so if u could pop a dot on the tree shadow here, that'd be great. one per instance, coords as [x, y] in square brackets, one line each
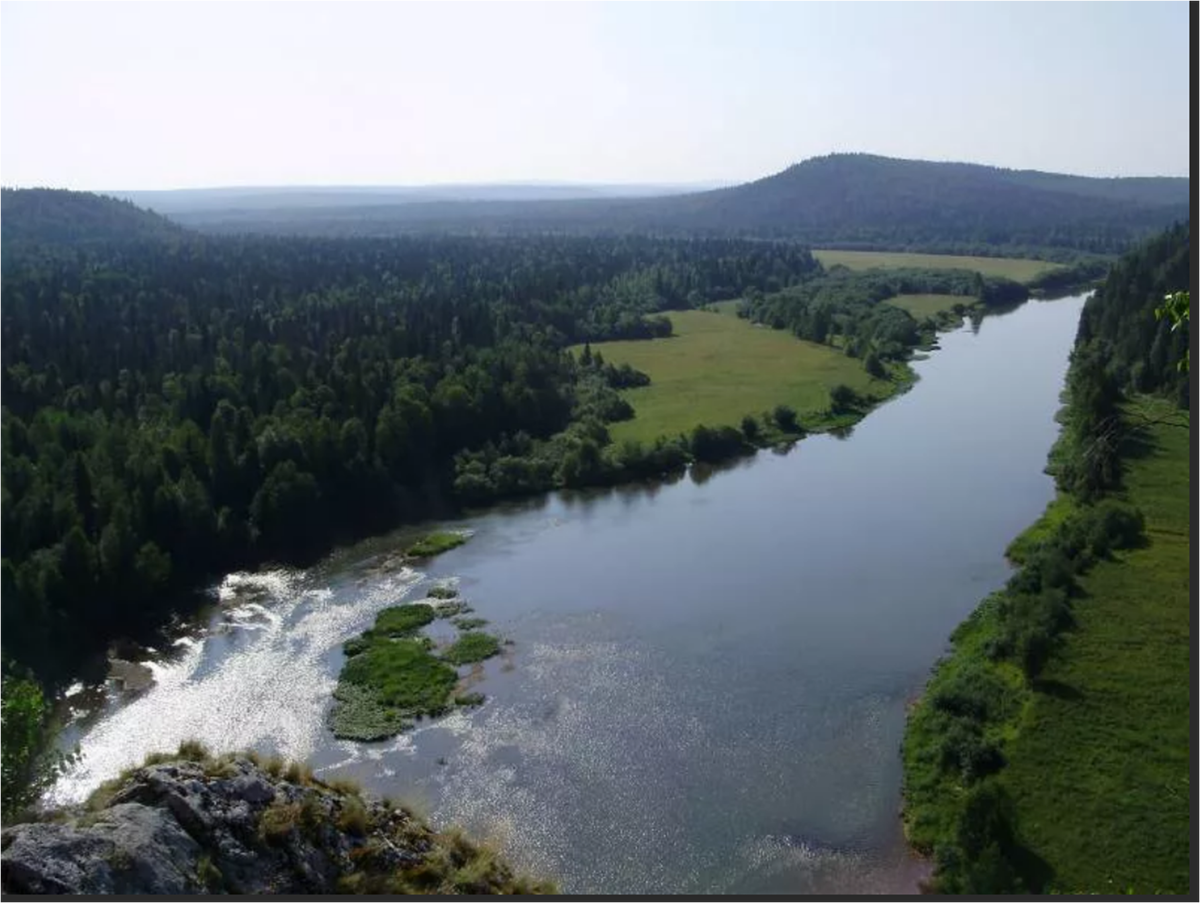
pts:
[1035, 871]
[1138, 443]
[1057, 689]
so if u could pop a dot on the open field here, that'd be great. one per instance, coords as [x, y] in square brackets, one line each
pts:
[1099, 769]
[1021, 270]
[921, 306]
[718, 368]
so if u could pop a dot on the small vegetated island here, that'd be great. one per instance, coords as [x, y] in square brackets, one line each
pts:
[393, 675]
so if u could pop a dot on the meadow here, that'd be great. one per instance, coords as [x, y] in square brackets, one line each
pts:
[1019, 269]
[921, 306]
[717, 368]
[1110, 743]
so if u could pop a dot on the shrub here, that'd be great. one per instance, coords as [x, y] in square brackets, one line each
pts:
[842, 398]
[435, 544]
[785, 418]
[403, 620]
[474, 646]
[750, 427]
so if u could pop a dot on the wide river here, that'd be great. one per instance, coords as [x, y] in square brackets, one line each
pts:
[708, 682]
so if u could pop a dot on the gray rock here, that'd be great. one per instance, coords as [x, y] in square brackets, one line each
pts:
[219, 826]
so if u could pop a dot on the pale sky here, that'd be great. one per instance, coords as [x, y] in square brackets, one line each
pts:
[171, 95]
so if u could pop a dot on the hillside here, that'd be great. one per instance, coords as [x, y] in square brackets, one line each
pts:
[844, 200]
[56, 217]
[1049, 751]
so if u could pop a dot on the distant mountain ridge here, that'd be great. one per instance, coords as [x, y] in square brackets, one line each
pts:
[843, 200]
[58, 217]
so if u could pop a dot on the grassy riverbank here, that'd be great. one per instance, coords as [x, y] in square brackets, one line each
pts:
[1051, 748]
[1108, 744]
[717, 368]
[1020, 269]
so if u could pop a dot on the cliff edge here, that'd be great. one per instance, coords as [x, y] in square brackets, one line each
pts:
[192, 823]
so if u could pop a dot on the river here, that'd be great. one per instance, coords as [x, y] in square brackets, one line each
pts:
[707, 687]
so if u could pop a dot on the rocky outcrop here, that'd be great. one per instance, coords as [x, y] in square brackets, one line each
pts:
[197, 824]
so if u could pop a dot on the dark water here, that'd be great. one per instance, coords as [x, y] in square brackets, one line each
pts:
[708, 682]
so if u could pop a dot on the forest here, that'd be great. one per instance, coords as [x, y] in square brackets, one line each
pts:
[179, 405]
[852, 201]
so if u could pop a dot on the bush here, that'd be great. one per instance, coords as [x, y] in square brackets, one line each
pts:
[402, 620]
[961, 748]
[474, 646]
[842, 398]
[750, 428]
[712, 446]
[785, 418]
[435, 544]
[973, 692]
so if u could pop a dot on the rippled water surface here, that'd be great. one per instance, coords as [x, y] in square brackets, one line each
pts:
[708, 682]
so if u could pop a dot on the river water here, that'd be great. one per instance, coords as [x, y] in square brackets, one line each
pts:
[707, 687]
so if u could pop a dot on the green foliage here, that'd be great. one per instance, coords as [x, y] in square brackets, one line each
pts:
[711, 445]
[842, 398]
[1099, 771]
[785, 418]
[402, 620]
[442, 592]
[435, 544]
[469, 623]
[472, 646]
[29, 762]
[1038, 719]
[405, 676]
[750, 428]
[1141, 348]
[1176, 310]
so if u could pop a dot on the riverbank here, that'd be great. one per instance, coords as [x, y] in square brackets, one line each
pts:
[1065, 699]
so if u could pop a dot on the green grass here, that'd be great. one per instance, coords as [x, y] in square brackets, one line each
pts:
[1099, 770]
[404, 674]
[1042, 529]
[435, 544]
[469, 623]
[401, 620]
[1096, 748]
[921, 306]
[442, 592]
[727, 307]
[472, 646]
[1020, 269]
[717, 369]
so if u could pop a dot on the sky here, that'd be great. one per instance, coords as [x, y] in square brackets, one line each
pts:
[176, 95]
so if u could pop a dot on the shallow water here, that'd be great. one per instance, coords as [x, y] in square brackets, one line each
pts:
[708, 682]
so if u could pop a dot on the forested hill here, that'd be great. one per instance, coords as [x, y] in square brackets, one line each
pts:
[1119, 324]
[45, 216]
[843, 200]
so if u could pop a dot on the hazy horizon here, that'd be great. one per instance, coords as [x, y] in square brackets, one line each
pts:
[122, 97]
